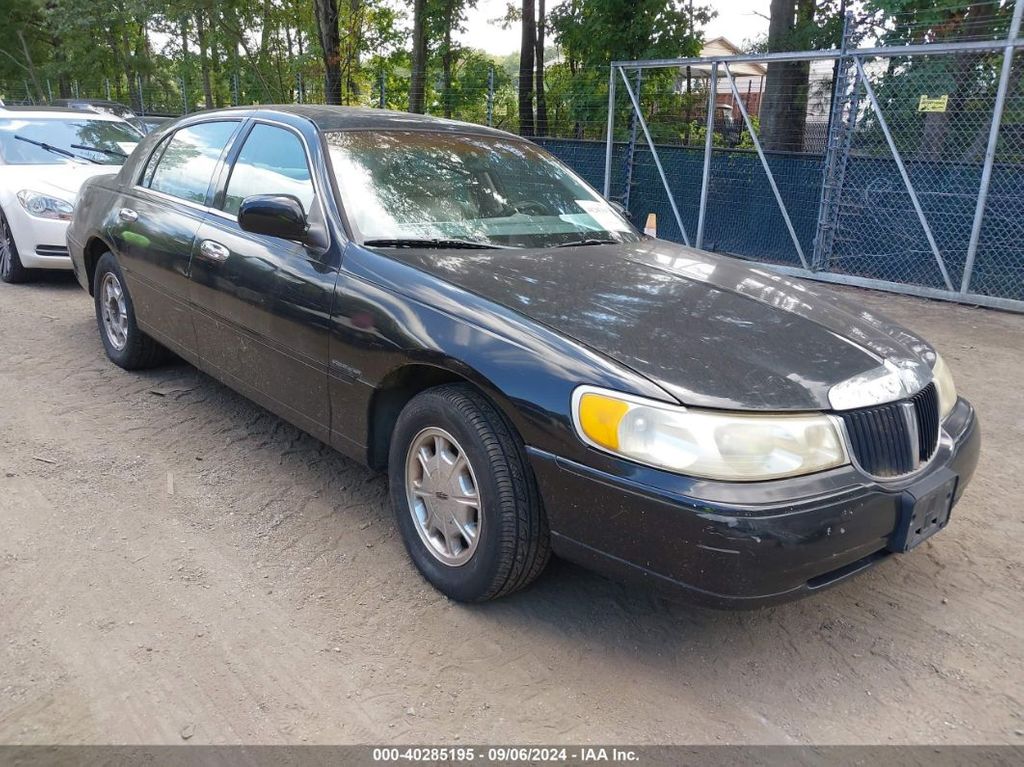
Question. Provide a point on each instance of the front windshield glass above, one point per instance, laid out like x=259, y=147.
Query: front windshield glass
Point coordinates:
x=73, y=140
x=419, y=185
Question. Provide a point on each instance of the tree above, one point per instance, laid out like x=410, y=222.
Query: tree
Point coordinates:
x=593, y=33
x=784, y=107
x=417, y=89
x=527, y=54
x=325, y=13
x=542, y=105
x=967, y=77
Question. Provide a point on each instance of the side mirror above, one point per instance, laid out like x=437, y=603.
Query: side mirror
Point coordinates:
x=276, y=215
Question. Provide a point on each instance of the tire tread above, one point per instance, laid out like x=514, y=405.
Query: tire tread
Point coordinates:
x=525, y=541
x=141, y=351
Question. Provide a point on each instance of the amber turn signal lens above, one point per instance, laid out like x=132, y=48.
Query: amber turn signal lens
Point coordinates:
x=600, y=417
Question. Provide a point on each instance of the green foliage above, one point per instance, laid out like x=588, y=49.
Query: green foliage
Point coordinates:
x=596, y=32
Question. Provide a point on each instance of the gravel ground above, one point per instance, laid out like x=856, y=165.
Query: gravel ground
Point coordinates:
x=178, y=564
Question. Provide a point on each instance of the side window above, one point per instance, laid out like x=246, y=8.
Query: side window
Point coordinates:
x=147, y=173
x=186, y=166
x=272, y=161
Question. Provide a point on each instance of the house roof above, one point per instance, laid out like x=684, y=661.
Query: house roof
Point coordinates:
x=721, y=46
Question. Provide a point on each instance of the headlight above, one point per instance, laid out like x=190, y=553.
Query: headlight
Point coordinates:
x=707, y=443
x=43, y=206
x=944, y=385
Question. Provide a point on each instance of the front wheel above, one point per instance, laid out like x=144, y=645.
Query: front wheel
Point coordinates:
x=11, y=269
x=126, y=345
x=465, y=499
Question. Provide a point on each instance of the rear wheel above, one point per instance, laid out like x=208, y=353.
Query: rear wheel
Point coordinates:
x=126, y=345
x=11, y=269
x=465, y=498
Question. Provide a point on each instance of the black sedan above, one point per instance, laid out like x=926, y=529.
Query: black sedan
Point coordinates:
x=453, y=305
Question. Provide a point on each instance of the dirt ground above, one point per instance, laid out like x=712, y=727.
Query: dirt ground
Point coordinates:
x=177, y=564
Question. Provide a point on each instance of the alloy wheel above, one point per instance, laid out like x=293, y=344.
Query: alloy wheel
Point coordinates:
x=6, y=247
x=443, y=497
x=114, y=311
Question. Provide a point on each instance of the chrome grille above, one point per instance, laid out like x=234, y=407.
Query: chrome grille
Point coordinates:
x=894, y=439
x=51, y=250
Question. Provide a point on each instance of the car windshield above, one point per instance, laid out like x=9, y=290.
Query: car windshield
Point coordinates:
x=404, y=187
x=105, y=142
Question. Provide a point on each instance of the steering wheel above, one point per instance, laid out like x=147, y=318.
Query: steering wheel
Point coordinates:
x=530, y=207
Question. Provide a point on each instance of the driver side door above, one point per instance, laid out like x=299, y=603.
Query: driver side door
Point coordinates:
x=262, y=305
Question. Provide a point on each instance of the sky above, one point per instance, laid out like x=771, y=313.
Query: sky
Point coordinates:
x=737, y=20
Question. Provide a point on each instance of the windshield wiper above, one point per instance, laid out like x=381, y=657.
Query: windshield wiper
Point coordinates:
x=110, y=152
x=56, y=149
x=435, y=242
x=588, y=241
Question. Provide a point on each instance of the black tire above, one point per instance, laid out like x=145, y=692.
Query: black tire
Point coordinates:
x=11, y=269
x=138, y=351
x=514, y=542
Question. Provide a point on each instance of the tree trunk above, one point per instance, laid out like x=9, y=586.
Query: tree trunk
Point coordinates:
x=352, y=37
x=447, y=57
x=979, y=23
x=204, y=60
x=542, y=102
x=325, y=13
x=527, y=52
x=183, y=31
x=417, y=87
x=784, y=107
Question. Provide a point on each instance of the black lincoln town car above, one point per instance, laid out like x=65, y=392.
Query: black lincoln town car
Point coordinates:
x=451, y=304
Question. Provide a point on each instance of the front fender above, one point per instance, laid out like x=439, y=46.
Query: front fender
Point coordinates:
x=388, y=315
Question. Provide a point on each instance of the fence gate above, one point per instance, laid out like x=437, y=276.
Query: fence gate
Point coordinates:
x=899, y=168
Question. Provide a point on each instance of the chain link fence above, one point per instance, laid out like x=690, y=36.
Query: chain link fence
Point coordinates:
x=899, y=168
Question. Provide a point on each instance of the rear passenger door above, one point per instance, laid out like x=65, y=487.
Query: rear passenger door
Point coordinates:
x=262, y=305
x=156, y=224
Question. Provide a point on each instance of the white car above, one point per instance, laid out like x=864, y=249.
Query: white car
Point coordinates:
x=45, y=156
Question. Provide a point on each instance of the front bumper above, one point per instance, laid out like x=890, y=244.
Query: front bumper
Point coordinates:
x=737, y=545
x=40, y=242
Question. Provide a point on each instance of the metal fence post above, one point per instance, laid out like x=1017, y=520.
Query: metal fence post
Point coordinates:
x=609, y=145
x=106, y=87
x=654, y=155
x=383, y=95
x=631, y=148
x=142, y=100
x=708, y=143
x=993, y=142
x=236, y=90
x=836, y=151
x=184, y=95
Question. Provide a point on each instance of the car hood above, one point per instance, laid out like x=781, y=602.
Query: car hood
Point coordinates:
x=62, y=180
x=712, y=331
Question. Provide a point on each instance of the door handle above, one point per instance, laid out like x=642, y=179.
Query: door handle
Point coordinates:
x=213, y=251
x=127, y=215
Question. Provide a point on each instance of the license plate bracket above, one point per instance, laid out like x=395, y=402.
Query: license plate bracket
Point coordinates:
x=924, y=510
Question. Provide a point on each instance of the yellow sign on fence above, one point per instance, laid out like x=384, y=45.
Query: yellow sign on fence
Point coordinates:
x=933, y=103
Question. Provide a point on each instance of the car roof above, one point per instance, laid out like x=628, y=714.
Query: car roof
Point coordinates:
x=56, y=113
x=96, y=102
x=341, y=118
